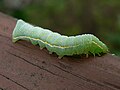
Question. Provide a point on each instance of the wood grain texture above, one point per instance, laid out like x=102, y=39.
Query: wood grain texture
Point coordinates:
x=24, y=66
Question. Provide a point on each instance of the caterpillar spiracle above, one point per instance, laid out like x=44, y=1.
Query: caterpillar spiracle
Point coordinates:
x=60, y=44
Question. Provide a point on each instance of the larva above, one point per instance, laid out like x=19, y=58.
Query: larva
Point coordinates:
x=60, y=44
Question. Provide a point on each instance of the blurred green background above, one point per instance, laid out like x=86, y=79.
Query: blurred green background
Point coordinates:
x=71, y=17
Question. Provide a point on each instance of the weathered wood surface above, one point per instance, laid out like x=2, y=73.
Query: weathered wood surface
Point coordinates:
x=24, y=66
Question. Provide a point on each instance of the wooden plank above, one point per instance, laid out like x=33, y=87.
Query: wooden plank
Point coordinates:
x=8, y=84
x=25, y=66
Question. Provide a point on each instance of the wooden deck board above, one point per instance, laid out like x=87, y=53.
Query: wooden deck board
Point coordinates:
x=24, y=66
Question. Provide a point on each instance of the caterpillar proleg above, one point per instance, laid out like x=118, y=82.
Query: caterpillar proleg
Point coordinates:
x=60, y=44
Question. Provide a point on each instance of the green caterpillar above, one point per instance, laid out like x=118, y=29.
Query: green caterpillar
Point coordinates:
x=60, y=44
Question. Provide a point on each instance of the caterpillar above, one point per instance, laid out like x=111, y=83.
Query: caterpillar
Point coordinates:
x=62, y=45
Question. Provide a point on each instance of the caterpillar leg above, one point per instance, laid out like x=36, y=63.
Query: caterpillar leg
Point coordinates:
x=113, y=54
x=60, y=57
x=34, y=42
x=86, y=55
x=98, y=54
x=94, y=55
x=41, y=48
x=50, y=52
x=14, y=40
